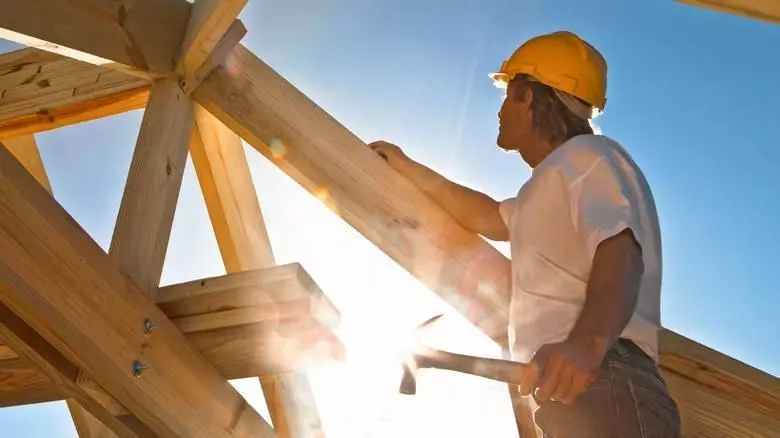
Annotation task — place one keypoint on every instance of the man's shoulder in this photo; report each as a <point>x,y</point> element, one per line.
<point>581,154</point>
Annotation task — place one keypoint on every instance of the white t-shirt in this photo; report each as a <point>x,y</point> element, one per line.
<point>585,191</point>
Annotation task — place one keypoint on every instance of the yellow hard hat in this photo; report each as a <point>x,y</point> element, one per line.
<point>562,61</point>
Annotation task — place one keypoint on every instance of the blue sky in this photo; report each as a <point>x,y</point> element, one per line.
<point>692,95</point>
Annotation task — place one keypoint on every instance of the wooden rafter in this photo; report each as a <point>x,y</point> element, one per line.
<point>765,10</point>
<point>146,212</point>
<point>212,28</point>
<point>142,37</point>
<point>236,216</point>
<point>254,323</point>
<point>40,91</point>
<point>60,282</point>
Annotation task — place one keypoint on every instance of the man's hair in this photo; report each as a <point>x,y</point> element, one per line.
<point>550,115</point>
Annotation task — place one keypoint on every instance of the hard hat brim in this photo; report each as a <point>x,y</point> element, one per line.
<point>500,80</point>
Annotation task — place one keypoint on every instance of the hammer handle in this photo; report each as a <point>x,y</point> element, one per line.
<point>495,369</point>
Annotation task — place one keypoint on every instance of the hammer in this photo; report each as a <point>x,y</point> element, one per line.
<point>494,369</point>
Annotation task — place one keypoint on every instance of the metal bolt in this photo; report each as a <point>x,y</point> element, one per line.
<point>139,368</point>
<point>149,325</point>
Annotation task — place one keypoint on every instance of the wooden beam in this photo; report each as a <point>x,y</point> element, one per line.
<point>25,149</point>
<point>21,383</point>
<point>765,10</point>
<point>218,55</point>
<point>40,91</point>
<point>296,336</point>
<point>65,375</point>
<point>232,202</point>
<point>141,37</point>
<point>331,163</point>
<point>726,377</point>
<point>208,24</point>
<point>145,218</point>
<point>61,283</point>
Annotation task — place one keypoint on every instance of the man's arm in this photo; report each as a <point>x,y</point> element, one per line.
<point>475,211</point>
<point>562,371</point>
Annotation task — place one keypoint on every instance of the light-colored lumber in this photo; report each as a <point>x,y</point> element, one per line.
<point>766,10</point>
<point>138,36</point>
<point>40,91</point>
<point>220,52</point>
<point>145,218</point>
<point>207,26</point>
<point>103,406</point>
<point>707,413</point>
<point>65,375</point>
<point>231,199</point>
<point>25,149</point>
<point>6,353</point>
<point>728,378</point>
<point>297,335</point>
<point>61,283</point>
<point>21,383</point>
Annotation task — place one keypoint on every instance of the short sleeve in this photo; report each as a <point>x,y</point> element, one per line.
<point>506,208</point>
<point>602,205</point>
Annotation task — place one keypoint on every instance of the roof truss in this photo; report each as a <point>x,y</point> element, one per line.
<point>95,58</point>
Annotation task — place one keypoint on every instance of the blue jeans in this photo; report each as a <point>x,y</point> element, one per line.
<point>628,399</point>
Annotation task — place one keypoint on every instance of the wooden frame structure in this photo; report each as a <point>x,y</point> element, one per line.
<point>137,360</point>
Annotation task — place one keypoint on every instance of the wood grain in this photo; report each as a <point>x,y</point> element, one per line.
<point>253,345</point>
<point>25,149</point>
<point>61,283</point>
<point>138,36</point>
<point>21,384</point>
<point>209,21</point>
<point>232,202</point>
<point>40,91</point>
<point>145,218</point>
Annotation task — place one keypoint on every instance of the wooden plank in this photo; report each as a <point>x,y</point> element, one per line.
<point>707,413</point>
<point>6,353</point>
<point>237,348</point>
<point>274,293</point>
<point>145,218</point>
<point>64,374</point>
<point>142,37</point>
<point>225,46</point>
<point>104,407</point>
<point>230,196</point>
<point>765,10</point>
<point>725,376</point>
<point>208,23</point>
<point>40,91</point>
<point>60,282</point>
<point>232,202</point>
<point>21,383</point>
<point>25,149</point>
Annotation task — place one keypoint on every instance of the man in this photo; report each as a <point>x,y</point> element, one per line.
<point>585,249</point>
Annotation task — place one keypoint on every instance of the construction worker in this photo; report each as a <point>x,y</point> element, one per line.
<point>585,249</point>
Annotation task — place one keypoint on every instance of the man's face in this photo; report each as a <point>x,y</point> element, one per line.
<point>515,120</point>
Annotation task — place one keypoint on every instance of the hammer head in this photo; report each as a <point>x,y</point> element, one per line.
<point>408,381</point>
<point>408,384</point>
